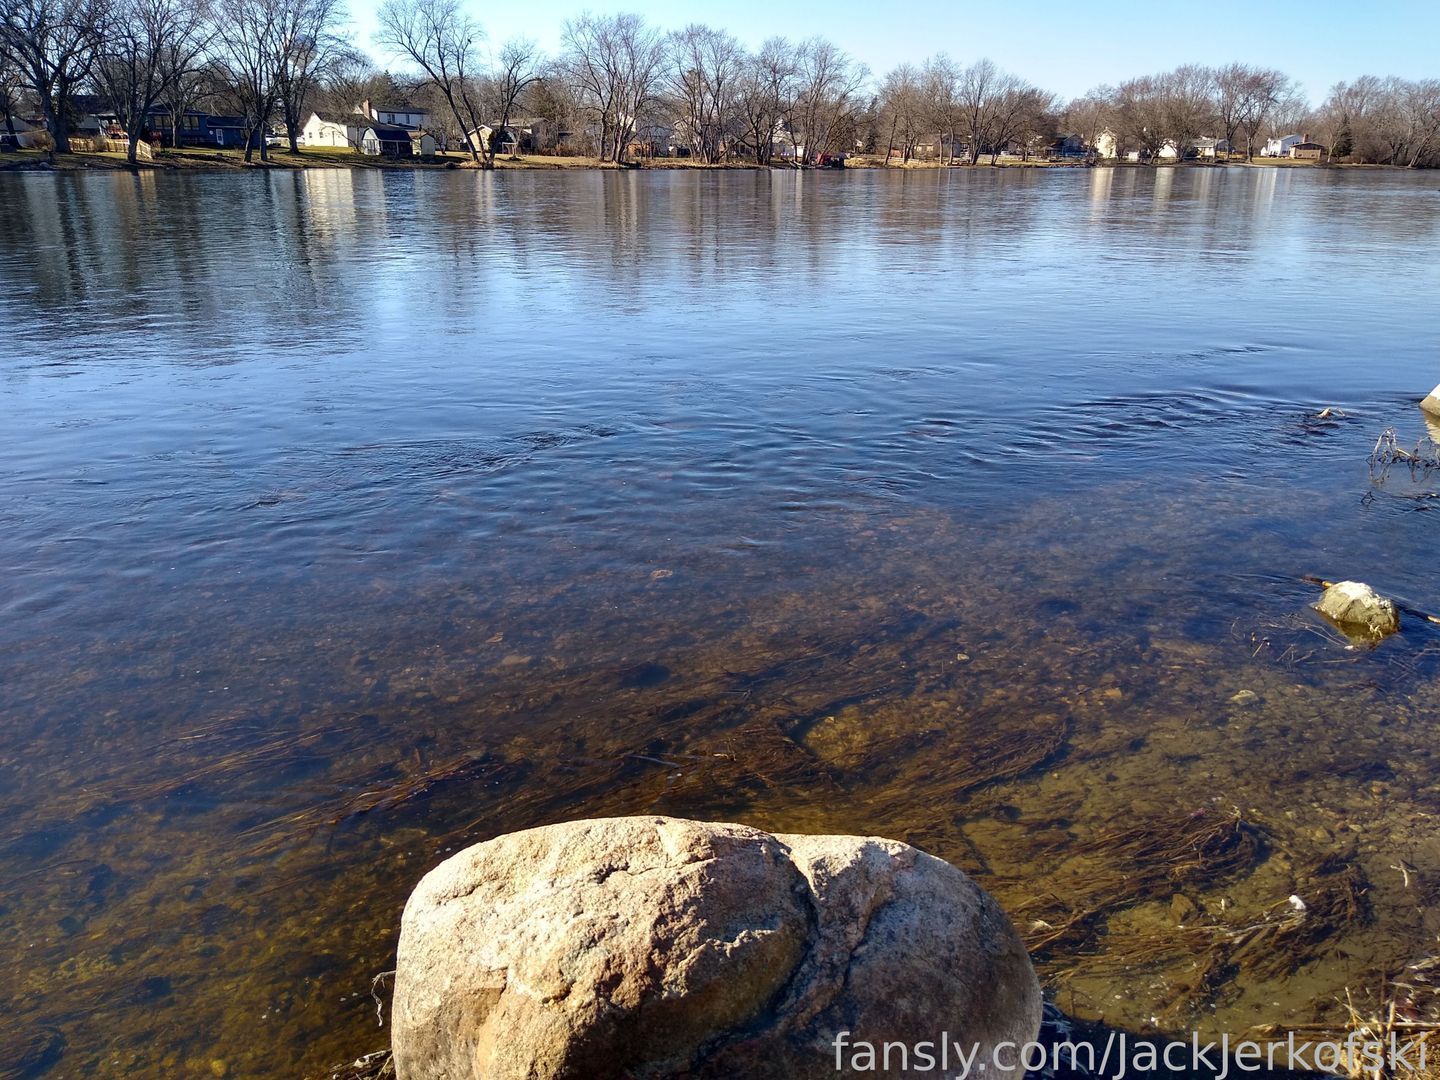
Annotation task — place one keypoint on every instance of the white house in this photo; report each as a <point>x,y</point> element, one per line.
<point>1210,149</point>
<point>324,131</point>
<point>408,116</point>
<point>1107,145</point>
<point>1280,147</point>
<point>26,135</point>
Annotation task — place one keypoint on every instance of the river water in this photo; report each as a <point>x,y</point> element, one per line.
<point>347,518</point>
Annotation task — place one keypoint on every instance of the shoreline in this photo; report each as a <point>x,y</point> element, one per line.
<point>202,160</point>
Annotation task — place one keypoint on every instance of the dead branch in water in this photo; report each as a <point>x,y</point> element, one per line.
<point>1421,463</point>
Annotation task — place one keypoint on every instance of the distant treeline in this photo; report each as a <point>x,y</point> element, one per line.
<point>622,86</point>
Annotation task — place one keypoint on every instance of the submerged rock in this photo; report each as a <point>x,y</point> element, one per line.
<point>654,946</point>
<point>1359,610</point>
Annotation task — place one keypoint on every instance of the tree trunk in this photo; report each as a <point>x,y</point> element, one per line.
<point>465,134</point>
<point>59,135</point>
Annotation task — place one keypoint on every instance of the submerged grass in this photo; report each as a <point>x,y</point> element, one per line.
<point>247,872</point>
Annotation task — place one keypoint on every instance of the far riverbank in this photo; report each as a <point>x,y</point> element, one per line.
<point>191,159</point>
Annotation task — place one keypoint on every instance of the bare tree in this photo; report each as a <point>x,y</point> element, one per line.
<point>440,38</point>
<point>1233,86</point>
<point>516,68</point>
<point>1037,118</point>
<point>1189,106</point>
<point>1346,113</point>
<point>1419,104</point>
<point>1245,99</point>
<point>1089,116</point>
<point>52,44</point>
<point>705,67</point>
<point>1166,114</point>
<point>976,92</point>
<point>1291,113</point>
<point>615,64</point>
<point>828,84</point>
<point>903,111</point>
<point>353,78</point>
<point>308,44</point>
<point>188,88</point>
<point>1020,113</point>
<point>147,47</point>
<point>766,94</point>
<point>1140,115</point>
<point>941,85</point>
<point>248,44</point>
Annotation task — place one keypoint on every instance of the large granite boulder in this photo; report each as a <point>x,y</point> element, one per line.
<point>1359,610</point>
<point>654,947</point>
<point>1431,402</point>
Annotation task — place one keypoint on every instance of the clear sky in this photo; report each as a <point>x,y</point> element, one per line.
<point>1062,46</point>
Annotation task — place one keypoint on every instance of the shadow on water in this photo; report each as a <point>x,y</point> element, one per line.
<point>515,534</point>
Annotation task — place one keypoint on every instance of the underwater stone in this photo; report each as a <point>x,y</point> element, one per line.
<point>655,946</point>
<point>1182,909</point>
<point>1359,610</point>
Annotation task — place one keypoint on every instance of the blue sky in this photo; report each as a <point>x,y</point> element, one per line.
<point>1065,47</point>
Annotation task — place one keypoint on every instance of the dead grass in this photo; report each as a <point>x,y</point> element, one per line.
<point>1403,1011</point>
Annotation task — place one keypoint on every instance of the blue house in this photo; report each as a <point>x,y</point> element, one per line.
<point>203,129</point>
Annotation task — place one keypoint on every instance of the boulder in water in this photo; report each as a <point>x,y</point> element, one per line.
<point>657,946</point>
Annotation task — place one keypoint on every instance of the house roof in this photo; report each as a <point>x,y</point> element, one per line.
<point>1308,146</point>
<point>343,119</point>
<point>88,103</point>
<point>383,132</point>
<point>407,108</point>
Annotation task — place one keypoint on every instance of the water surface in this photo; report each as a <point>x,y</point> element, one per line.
<point>349,518</point>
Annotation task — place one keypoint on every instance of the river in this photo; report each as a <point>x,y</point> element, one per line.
<point>347,518</point>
